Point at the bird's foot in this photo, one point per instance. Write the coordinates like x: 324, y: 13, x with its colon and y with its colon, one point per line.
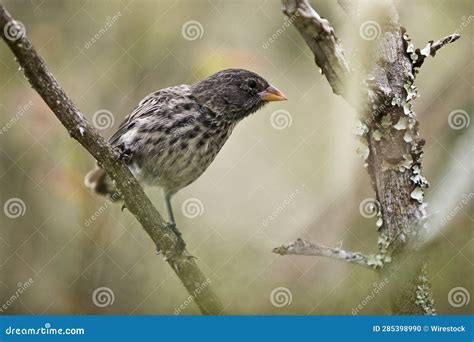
x: 122, y: 153
x: 172, y: 226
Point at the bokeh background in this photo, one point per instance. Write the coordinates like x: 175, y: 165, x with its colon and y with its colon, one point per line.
x: 288, y: 171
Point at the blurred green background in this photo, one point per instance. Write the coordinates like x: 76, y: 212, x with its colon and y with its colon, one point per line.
x: 268, y: 185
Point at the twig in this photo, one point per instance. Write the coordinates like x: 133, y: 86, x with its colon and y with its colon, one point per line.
x: 431, y: 48
x: 133, y: 195
x: 302, y: 247
x: 321, y: 39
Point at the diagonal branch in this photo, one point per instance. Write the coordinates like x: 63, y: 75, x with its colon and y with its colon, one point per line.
x: 321, y: 39
x: 303, y: 247
x: 133, y: 195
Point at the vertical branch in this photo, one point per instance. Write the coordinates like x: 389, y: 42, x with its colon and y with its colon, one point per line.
x: 392, y: 145
x: 394, y: 151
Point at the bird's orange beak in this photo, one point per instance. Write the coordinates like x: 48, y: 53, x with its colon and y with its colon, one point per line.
x: 272, y: 94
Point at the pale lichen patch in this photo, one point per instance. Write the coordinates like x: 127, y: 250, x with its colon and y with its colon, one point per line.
x: 396, y: 101
x: 377, y: 261
x: 417, y: 178
x: 407, y: 108
x: 426, y: 50
x: 406, y: 163
x: 361, y: 129
x: 363, y: 149
x: 408, y: 137
x: 423, y: 292
x: 377, y: 135
x: 386, y: 121
x: 417, y: 194
x: 411, y: 90
x: 401, y: 124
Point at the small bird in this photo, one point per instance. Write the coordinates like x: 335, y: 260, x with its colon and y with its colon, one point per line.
x: 175, y: 133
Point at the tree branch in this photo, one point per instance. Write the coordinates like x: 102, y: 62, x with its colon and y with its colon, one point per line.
x: 431, y: 48
x: 321, y: 39
x: 302, y: 247
x: 133, y: 195
x: 391, y: 143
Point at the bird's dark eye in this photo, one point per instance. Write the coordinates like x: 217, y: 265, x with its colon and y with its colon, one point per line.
x: 252, y: 84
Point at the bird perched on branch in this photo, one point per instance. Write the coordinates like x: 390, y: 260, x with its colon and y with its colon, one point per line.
x: 174, y: 134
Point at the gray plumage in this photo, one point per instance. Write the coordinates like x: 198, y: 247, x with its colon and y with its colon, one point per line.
x: 174, y: 134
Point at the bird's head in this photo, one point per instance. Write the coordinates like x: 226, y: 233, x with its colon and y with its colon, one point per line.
x: 235, y: 93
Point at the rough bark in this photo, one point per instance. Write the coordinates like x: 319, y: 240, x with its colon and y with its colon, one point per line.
x: 135, y: 200
x: 388, y: 133
x: 322, y: 41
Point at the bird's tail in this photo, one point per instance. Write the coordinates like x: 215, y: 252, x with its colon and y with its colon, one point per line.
x: 98, y: 181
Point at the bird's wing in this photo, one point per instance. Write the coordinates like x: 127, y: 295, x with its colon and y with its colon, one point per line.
x: 154, y: 104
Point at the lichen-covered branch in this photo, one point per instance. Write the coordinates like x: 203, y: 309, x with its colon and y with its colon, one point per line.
x: 132, y: 193
x: 388, y: 132
x: 302, y: 247
x: 416, y: 292
x: 431, y: 48
x: 393, y: 149
x: 320, y: 37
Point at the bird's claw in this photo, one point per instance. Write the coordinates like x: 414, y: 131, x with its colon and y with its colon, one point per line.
x: 122, y: 153
x: 172, y: 226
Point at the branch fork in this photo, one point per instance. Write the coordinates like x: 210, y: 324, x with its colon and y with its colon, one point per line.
x: 390, y: 76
